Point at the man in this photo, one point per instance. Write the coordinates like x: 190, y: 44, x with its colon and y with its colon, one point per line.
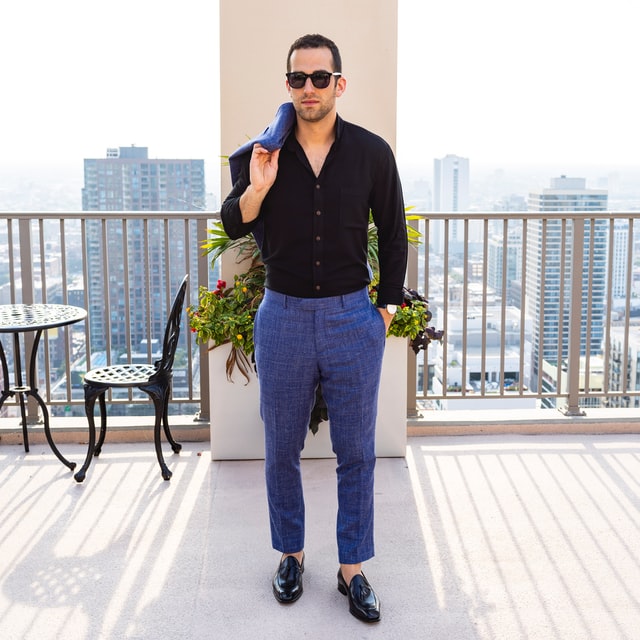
x: 308, y: 204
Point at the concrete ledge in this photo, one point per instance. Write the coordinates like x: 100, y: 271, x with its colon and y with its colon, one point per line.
x: 119, y: 429
x: 431, y: 423
x: 524, y: 422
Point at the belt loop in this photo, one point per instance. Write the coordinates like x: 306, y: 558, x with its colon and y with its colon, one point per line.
x: 285, y: 299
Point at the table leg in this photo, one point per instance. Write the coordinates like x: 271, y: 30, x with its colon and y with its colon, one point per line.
x: 6, y: 387
x: 23, y: 417
x: 8, y: 391
x: 32, y: 391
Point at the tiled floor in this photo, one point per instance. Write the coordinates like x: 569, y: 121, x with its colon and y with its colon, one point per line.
x: 478, y: 537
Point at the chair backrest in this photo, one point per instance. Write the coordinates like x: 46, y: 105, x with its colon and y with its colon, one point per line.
x: 172, y: 332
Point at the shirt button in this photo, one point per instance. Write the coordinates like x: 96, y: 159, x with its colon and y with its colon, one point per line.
x: 318, y: 213
x: 317, y: 238
x: 317, y: 263
x: 317, y: 287
x: 317, y: 186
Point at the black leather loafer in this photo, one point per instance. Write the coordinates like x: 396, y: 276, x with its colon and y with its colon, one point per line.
x: 287, y: 582
x: 363, y: 601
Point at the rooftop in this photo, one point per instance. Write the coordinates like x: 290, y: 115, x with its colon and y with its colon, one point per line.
x: 478, y: 537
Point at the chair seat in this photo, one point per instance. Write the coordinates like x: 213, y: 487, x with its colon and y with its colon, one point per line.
x: 120, y: 375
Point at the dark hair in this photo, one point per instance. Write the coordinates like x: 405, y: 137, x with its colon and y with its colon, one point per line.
x: 316, y: 41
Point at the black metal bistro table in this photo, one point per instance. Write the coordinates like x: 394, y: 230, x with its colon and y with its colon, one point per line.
x: 23, y: 318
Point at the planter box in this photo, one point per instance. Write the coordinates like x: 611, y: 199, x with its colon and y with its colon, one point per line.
x: 236, y: 426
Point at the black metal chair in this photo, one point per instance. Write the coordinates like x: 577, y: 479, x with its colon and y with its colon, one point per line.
x: 154, y: 379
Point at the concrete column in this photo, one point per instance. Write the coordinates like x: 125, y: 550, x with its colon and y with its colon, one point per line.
x: 255, y: 37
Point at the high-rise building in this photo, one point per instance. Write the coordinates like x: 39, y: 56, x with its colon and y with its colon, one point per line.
x: 619, y: 260
x: 624, y: 367
x: 450, y: 193
x: 549, y: 281
x: 127, y: 180
x: 504, y: 265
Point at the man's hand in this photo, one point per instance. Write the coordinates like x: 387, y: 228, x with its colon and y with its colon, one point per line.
x: 387, y: 317
x: 263, y: 168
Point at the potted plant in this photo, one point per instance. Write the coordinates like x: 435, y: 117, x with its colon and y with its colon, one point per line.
x: 223, y: 318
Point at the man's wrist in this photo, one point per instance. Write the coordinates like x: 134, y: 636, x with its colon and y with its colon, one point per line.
x: 389, y: 308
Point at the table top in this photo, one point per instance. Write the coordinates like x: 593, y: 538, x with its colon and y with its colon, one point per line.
x: 32, y: 317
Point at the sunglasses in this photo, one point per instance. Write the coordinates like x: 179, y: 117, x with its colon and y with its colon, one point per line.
x: 319, y: 79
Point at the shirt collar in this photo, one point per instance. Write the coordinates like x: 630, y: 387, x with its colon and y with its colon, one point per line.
x: 291, y: 141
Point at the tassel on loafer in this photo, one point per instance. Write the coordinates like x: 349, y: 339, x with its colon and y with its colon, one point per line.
x: 287, y: 582
x: 363, y: 601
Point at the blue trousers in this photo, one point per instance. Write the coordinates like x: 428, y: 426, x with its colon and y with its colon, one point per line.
x: 339, y: 343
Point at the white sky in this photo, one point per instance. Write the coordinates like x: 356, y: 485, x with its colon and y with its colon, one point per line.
x: 500, y: 81
x: 519, y: 81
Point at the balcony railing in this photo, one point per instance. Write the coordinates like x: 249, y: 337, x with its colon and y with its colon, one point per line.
x: 538, y: 309
x: 124, y: 267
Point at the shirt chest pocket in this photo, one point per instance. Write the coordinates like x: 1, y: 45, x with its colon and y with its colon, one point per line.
x: 354, y: 210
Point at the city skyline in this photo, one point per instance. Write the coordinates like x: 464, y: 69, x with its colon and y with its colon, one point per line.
x: 502, y: 83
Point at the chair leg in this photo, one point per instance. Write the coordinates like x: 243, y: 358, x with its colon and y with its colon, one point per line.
x: 159, y: 394
x: 90, y: 395
x: 159, y: 403
x: 103, y: 423
x: 175, y: 446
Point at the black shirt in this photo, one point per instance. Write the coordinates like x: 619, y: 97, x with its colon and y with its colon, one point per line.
x: 312, y: 231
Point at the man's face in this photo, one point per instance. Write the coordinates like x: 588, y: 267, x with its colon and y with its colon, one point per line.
x: 311, y: 104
